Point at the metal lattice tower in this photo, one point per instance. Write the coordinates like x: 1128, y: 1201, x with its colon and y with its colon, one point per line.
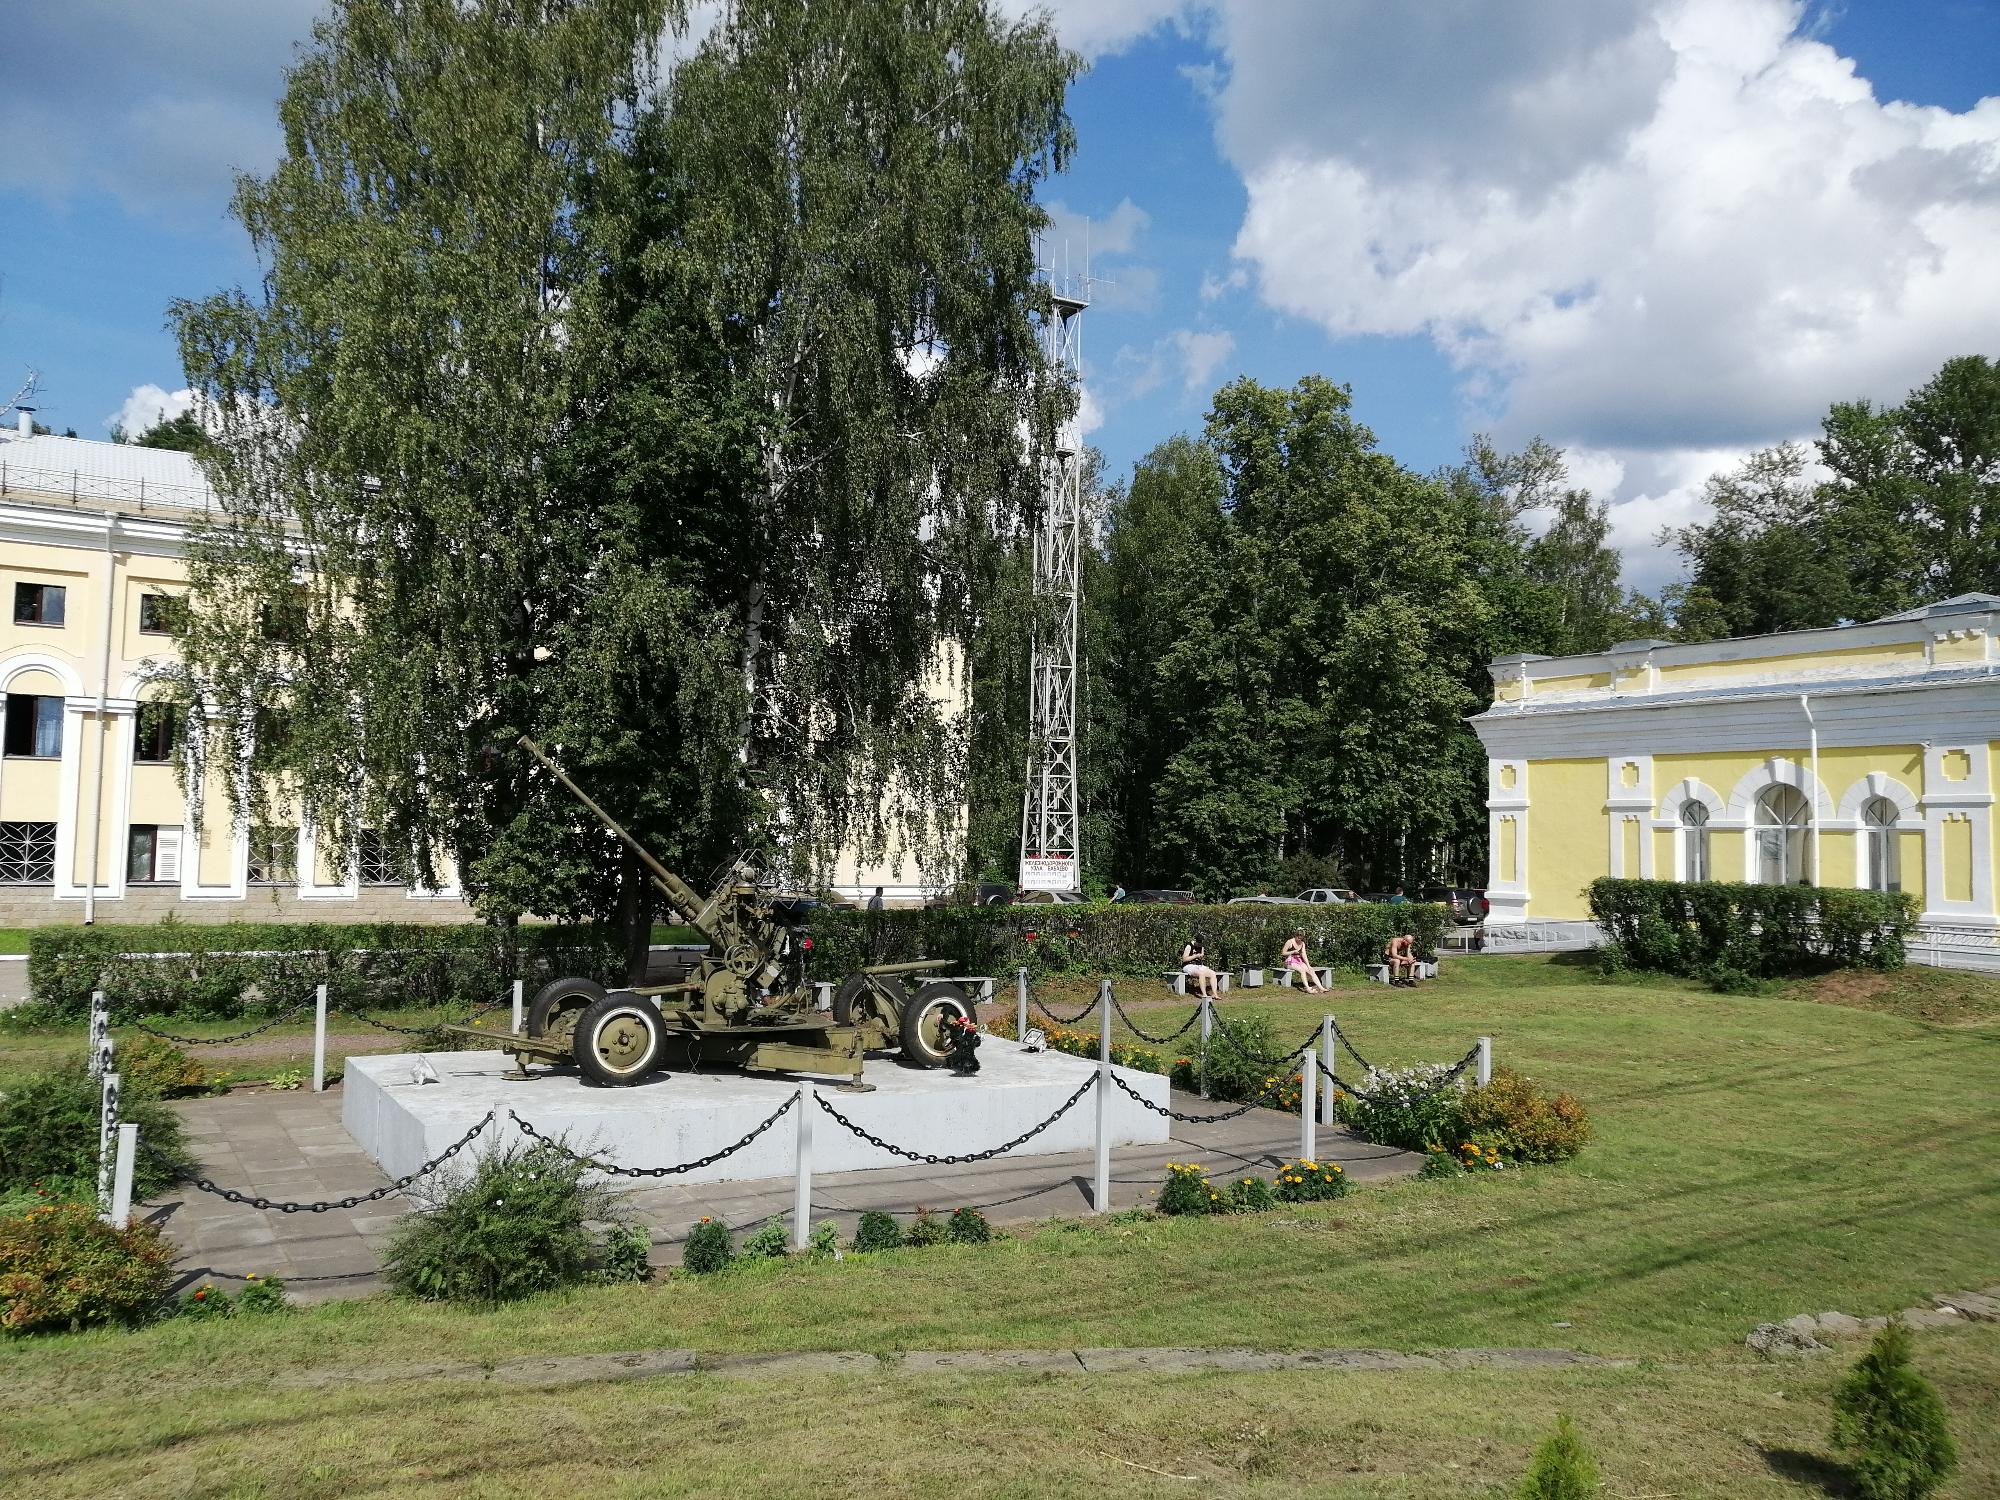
x: 1050, y: 857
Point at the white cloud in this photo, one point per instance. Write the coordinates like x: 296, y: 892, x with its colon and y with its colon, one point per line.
x: 148, y: 406
x: 1648, y: 228
x: 1191, y: 356
x: 1201, y: 355
x: 1098, y: 27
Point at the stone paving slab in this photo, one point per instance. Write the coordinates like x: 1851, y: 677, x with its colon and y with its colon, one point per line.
x: 291, y: 1145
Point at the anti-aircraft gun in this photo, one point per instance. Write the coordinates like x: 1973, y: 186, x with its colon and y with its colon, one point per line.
x: 744, y: 999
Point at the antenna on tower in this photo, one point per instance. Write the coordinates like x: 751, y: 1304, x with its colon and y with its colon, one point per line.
x: 27, y: 391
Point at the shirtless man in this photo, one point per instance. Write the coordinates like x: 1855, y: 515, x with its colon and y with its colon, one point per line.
x: 1401, y: 954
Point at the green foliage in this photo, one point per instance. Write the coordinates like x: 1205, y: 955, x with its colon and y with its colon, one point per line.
x: 1312, y: 1182
x: 48, y: 1132
x: 708, y: 1248
x: 771, y: 1242
x: 969, y: 1227
x: 1735, y: 935
x: 1118, y: 939
x: 260, y: 1297
x: 823, y: 1244
x: 1890, y: 1418
x: 926, y: 1228
x: 62, y: 1267
x: 877, y: 1231
x: 515, y: 1225
x: 1242, y: 1062
x: 261, y: 1294
x: 1187, y: 1190
x: 205, y: 1303
x: 287, y: 1080
x: 1563, y: 1468
x: 1410, y: 1108
x: 1516, y: 1118
x: 627, y: 1254
x: 203, y: 971
x: 1250, y: 1195
x: 1439, y: 1162
x: 153, y: 1065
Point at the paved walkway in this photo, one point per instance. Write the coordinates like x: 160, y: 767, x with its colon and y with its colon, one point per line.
x: 293, y: 1146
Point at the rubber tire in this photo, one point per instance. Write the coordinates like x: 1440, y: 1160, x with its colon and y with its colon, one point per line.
x: 550, y: 997
x: 917, y: 1048
x: 600, y: 1012
x: 855, y: 987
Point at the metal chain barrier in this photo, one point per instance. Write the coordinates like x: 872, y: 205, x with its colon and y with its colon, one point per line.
x: 1352, y: 1052
x: 1222, y: 1030
x: 235, y: 1036
x: 955, y: 1161
x: 202, y: 1184
x: 1262, y: 1101
x: 1062, y: 1020
x: 1146, y: 1036
x: 1451, y: 1076
x: 687, y: 1166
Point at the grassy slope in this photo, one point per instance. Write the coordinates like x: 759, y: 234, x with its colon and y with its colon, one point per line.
x: 1758, y: 1156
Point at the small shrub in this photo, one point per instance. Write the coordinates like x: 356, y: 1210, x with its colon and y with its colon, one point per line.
x: 708, y: 1249
x: 969, y: 1227
x: 515, y: 1225
x: 1187, y: 1190
x: 769, y: 1243
x: 287, y: 1079
x: 1411, y: 1108
x: 627, y: 1253
x: 154, y: 1065
x: 1480, y: 1156
x: 1562, y: 1470
x: 1890, y: 1418
x: 1251, y: 1195
x: 204, y: 1302
x: 926, y: 1228
x: 261, y: 1294
x: 877, y: 1231
x: 1240, y: 1058
x: 823, y: 1244
x: 1185, y: 1074
x: 1439, y: 1162
x: 1611, y: 963
x: 62, y: 1267
x: 48, y: 1133
x: 1312, y: 1182
x: 1514, y: 1115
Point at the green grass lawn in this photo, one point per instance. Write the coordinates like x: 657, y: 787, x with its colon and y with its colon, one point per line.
x: 1832, y: 1146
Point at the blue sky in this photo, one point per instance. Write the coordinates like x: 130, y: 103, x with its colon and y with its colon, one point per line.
x: 1660, y: 233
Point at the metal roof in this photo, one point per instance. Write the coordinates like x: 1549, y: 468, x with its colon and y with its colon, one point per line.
x: 89, y: 472
x: 1820, y: 687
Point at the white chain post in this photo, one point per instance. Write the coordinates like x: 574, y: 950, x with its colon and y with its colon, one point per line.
x: 1207, y: 1030
x: 1308, y: 1114
x: 517, y: 1007
x: 1100, y: 1196
x: 121, y: 1175
x: 802, y: 1187
x: 1485, y: 1064
x: 1020, y: 1003
x: 319, y: 1040
x: 1332, y: 1065
x: 107, y: 1129
x: 100, y: 1031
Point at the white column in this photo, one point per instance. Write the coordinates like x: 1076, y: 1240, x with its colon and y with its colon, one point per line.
x: 1207, y: 1028
x: 319, y: 1039
x: 1485, y: 1063
x: 517, y: 1006
x: 802, y: 1188
x: 1308, y: 1077
x: 1020, y: 1003
x: 1332, y: 1066
x: 1100, y: 1197
x: 121, y: 1175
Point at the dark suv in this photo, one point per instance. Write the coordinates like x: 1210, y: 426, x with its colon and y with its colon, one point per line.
x: 1465, y: 903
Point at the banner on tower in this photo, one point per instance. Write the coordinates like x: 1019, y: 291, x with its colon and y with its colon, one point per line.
x: 1057, y: 874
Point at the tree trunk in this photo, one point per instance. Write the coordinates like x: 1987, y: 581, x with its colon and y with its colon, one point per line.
x: 635, y: 916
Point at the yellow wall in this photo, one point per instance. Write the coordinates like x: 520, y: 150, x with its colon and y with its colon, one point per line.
x: 1691, y: 673
x: 1582, y: 682
x: 1965, y: 648
x: 1911, y: 851
x: 1955, y: 839
x: 1568, y: 842
x: 1507, y: 867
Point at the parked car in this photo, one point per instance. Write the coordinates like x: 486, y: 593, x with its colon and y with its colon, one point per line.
x: 1166, y: 898
x: 1465, y: 903
x: 1265, y: 901
x: 1049, y: 898
x: 1328, y: 895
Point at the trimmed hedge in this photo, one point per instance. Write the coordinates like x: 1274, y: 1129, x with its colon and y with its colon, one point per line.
x: 232, y: 969
x: 1106, y: 938
x: 1719, y: 930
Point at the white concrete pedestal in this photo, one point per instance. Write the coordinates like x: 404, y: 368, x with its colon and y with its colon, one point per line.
x: 678, y: 1117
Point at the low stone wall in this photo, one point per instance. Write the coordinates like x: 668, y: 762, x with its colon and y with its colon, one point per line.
x: 34, y: 906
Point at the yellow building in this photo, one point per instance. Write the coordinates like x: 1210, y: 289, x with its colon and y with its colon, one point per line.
x: 1859, y: 755
x: 93, y: 825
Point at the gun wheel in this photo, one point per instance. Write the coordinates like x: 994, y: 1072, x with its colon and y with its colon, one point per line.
x: 925, y: 1018
x: 861, y: 1001
x: 618, y: 1039
x: 556, y: 1006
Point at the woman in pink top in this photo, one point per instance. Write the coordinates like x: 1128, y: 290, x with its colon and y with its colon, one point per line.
x: 1294, y: 955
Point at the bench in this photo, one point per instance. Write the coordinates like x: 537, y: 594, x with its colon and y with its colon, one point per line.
x: 1380, y: 972
x: 980, y: 985
x: 1177, y: 981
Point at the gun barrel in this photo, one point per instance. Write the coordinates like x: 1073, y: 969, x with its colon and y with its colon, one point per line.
x: 680, y: 895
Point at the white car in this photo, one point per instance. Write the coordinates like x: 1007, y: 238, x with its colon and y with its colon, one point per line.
x: 1264, y: 901
x: 1328, y: 895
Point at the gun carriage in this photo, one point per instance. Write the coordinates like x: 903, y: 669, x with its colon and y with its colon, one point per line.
x: 742, y: 1000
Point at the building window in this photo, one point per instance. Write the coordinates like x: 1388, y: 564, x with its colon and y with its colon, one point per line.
x: 1881, y: 858
x: 156, y: 614
x: 39, y: 603
x: 377, y: 861
x: 1782, y: 817
x: 34, y: 725
x: 27, y: 854
x: 1694, y: 842
x: 154, y: 734
x: 153, y: 855
x: 274, y: 856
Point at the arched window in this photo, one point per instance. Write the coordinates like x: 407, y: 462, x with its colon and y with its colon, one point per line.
x: 1694, y: 842
x: 1882, y: 865
x: 1782, y: 816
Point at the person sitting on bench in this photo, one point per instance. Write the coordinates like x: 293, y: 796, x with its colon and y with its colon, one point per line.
x: 1401, y: 955
x: 1294, y: 955
x: 1194, y: 966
